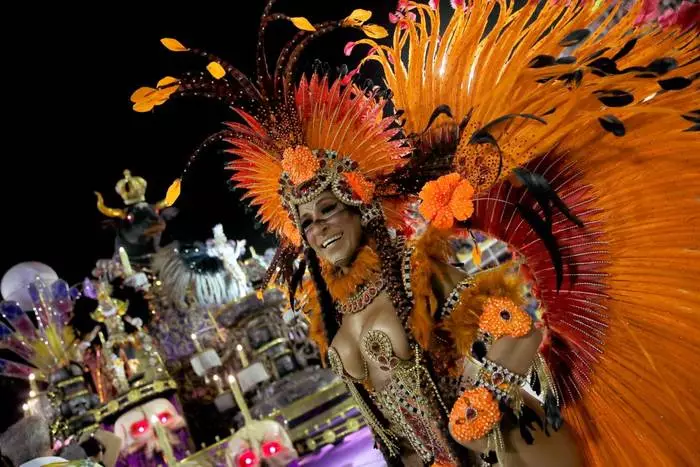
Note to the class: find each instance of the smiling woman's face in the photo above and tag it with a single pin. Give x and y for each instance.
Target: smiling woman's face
(332, 229)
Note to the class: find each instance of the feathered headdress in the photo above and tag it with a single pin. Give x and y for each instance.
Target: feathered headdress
(296, 141)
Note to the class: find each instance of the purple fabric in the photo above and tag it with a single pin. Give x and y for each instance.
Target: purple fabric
(139, 459)
(357, 449)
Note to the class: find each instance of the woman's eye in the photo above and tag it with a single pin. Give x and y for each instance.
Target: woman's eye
(305, 224)
(328, 208)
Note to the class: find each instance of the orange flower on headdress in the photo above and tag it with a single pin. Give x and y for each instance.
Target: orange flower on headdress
(361, 187)
(446, 199)
(300, 164)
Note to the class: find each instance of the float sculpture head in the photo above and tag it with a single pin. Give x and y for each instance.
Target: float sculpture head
(139, 225)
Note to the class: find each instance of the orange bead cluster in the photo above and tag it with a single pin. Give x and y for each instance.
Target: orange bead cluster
(474, 415)
(300, 164)
(502, 317)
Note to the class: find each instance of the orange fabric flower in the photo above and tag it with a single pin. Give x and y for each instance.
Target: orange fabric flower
(502, 317)
(446, 199)
(361, 187)
(474, 415)
(300, 164)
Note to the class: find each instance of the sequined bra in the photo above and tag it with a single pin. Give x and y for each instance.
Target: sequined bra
(410, 400)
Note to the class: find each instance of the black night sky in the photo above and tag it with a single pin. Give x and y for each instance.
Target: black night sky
(70, 130)
(68, 127)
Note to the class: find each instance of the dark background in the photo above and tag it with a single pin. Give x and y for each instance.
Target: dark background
(68, 128)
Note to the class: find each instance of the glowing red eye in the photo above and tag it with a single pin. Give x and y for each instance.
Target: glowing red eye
(139, 428)
(247, 459)
(164, 417)
(271, 448)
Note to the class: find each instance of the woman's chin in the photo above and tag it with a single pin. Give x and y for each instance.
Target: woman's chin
(342, 261)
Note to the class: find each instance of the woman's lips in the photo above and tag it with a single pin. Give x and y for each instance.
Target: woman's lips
(331, 240)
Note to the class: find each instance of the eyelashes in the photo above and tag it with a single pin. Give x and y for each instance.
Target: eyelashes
(325, 212)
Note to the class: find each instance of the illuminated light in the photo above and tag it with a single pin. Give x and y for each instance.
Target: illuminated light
(164, 417)
(140, 427)
(32, 376)
(239, 347)
(271, 448)
(247, 458)
(32, 393)
(25, 407)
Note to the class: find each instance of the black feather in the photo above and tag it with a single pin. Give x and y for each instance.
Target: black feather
(552, 413)
(439, 110)
(661, 66)
(674, 84)
(535, 383)
(527, 420)
(567, 60)
(545, 196)
(604, 66)
(693, 128)
(627, 48)
(542, 61)
(612, 124)
(693, 116)
(295, 281)
(482, 137)
(597, 54)
(465, 121)
(632, 69)
(575, 77)
(615, 98)
(574, 38)
(544, 232)
(646, 75)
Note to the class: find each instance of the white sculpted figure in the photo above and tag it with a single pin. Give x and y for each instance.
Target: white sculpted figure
(229, 251)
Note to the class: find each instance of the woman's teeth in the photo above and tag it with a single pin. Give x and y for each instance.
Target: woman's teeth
(331, 240)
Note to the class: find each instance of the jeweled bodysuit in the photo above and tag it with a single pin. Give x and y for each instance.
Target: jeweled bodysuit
(409, 399)
(402, 389)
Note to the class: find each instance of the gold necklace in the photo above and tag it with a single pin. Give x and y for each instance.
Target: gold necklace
(365, 294)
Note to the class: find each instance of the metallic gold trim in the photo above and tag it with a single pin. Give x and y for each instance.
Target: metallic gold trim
(301, 406)
(68, 382)
(269, 345)
(325, 418)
